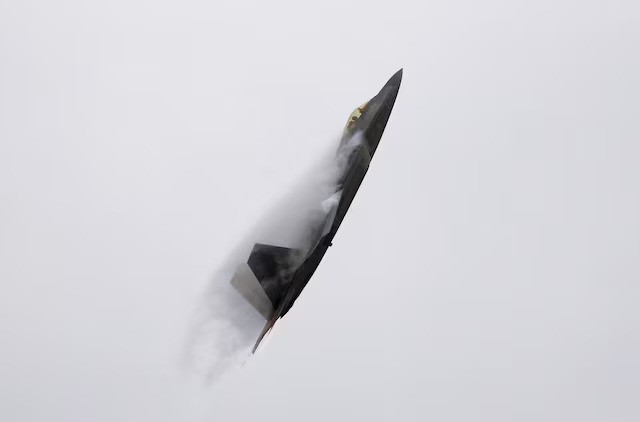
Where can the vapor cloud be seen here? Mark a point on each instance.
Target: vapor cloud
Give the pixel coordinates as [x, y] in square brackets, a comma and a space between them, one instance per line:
[226, 326]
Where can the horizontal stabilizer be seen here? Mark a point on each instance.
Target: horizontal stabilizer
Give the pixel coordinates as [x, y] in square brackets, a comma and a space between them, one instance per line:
[246, 283]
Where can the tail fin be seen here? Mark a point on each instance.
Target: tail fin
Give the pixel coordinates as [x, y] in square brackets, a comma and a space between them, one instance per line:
[263, 281]
[273, 267]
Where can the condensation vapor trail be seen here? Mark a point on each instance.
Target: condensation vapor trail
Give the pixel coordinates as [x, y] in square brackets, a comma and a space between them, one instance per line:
[226, 325]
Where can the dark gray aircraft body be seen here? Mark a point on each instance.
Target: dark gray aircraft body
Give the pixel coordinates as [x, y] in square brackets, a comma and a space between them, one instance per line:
[282, 273]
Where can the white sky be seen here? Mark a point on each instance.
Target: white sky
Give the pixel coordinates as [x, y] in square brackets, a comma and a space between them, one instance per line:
[489, 268]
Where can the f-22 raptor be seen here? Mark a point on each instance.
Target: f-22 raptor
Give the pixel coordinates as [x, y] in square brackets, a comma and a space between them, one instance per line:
[279, 274]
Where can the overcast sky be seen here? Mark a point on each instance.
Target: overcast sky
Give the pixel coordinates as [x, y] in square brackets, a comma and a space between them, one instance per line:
[489, 267]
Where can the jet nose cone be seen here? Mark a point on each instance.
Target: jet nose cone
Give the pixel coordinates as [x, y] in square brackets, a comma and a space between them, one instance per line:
[395, 80]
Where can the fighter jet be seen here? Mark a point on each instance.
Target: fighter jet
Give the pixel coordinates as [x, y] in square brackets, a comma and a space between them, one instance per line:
[276, 275]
